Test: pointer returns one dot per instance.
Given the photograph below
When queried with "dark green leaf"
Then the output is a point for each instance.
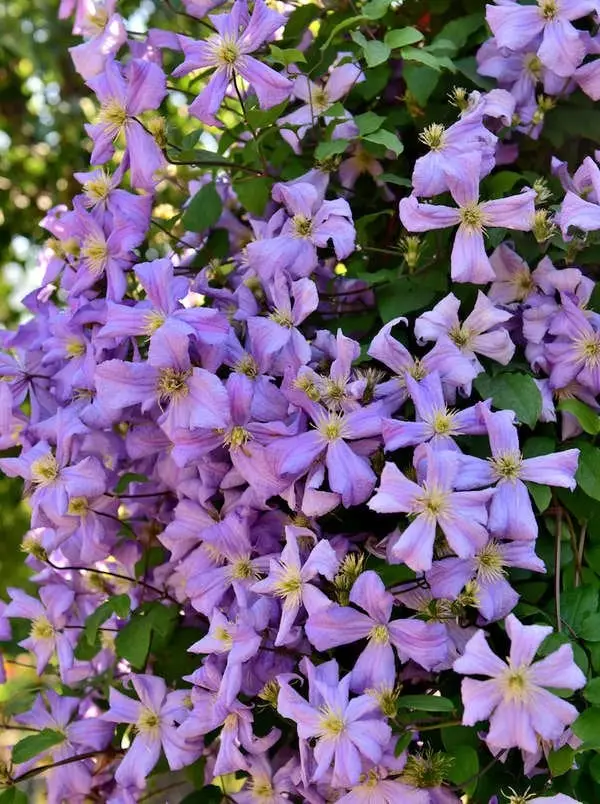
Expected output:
(587, 418)
(588, 471)
(374, 51)
(133, 641)
(253, 193)
(517, 392)
(464, 768)
(403, 743)
(126, 479)
(425, 703)
(577, 606)
(208, 795)
(13, 796)
(561, 761)
(386, 138)
(420, 81)
(592, 691)
(402, 37)
(587, 727)
(118, 605)
(368, 122)
(375, 9)
(35, 744)
(326, 149)
(421, 56)
(286, 56)
(542, 495)
(204, 210)
(459, 30)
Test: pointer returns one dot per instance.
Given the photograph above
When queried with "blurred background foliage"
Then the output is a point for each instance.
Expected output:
(41, 124)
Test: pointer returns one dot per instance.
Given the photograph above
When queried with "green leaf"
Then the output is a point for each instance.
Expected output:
(589, 630)
(577, 606)
(350, 22)
(386, 138)
(374, 51)
(13, 796)
(459, 30)
(420, 81)
(391, 178)
(375, 9)
(286, 56)
(542, 495)
(368, 122)
(591, 691)
(587, 418)
(126, 479)
(587, 727)
(516, 392)
(402, 37)
(403, 744)
(421, 57)
(35, 744)
(408, 293)
(204, 209)
(588, 470)
(464, 767)
(211, 794)
(326, 149)
(253, 193)
(147, 623)
(426, 703)
(561, 761)
(118, 605)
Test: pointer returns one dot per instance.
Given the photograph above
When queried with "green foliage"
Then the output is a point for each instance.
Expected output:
(35, 744)
(204, 209)
(512, 391)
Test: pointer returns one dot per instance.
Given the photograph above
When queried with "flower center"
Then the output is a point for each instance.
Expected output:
(173, 383)
(588, 348)
(148, 721)
(302, 226)
(41, 628)
(418, 371)
(442, 423)
(460, 336)
(261, 787)
(153, 320)
(45, 470)
(114, 115)
(228, 52)
(95, 253)
(75, 347)
(332, 427)
(78, 506)
(247, 365)
(533, 65)
(472, 217)
(289, 584)
(237, 437)
(283, 318)
(379, 634)
(433, 503)
(490, 563)
(508, 465)
(331, 724)
(516, 683)
(524, 284)
(548, 9)
(334, 392)
(320, 101)
(433, 136)
(242, 570)
(223, 635)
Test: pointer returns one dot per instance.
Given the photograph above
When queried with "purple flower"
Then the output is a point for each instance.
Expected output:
(317, 100)
(436, 423)
(480, 332)
(469, 262)
(462, 515)
(484, 576)
(511, 514)
(237, 35)
(123, 96)
(307, 223)
(154, 716)
(347, 732)
(575, 353)
(375, 669)
(289, 578)
(514, 699)
(562, 48)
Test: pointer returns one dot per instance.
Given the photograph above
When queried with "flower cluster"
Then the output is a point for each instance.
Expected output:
(268, 533)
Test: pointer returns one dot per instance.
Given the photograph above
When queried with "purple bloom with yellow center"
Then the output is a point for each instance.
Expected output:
(238, 34)
(515, 698)
(347, 732)
(469, 261)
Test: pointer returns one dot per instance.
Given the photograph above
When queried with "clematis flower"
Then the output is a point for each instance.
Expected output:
(238, 35)
(469, 262)
(480, 332)
(562, 48)
(515, 699)
(375, 669)
(345, 730)
(462, 516)
(511, 514)
(318, 98)
(289, 578)
(436, 423)
(154, 716)
(123, 95)
(575, 352)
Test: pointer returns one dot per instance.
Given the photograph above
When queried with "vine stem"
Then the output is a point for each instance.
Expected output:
(557, 557)
(68, 761)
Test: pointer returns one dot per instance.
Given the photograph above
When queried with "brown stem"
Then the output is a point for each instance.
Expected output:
(68, 761)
